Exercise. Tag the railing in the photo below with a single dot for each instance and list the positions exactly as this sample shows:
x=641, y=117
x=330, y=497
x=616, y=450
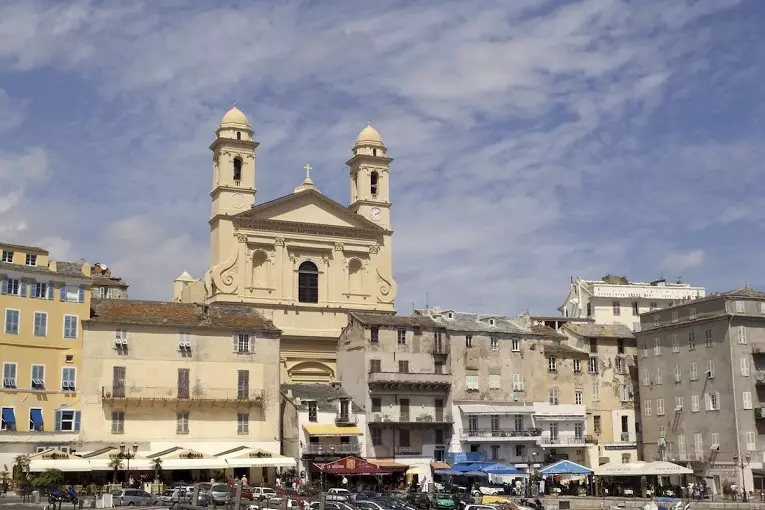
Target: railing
x=410, y=418
x=346, y=419
x=140, y=393
x=759, y=376
x=332, y=449
x=591, y=439
x=444, y=379
x=759, y=412
x=408, y=450
x=497, y=433
x=561, y=441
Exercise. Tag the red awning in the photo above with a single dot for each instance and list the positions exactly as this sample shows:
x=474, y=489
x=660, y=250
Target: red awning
x=351, y=466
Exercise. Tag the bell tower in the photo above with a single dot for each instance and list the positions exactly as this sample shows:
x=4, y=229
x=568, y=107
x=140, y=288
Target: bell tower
x=233, y=189
x=370, y=185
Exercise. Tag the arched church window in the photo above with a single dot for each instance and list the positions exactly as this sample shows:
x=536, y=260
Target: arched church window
x=308, y=283
x=354, y=276
x=260, y=269
x=237, y=169
x=373, y=178
x=374, y=152
x=238, y=135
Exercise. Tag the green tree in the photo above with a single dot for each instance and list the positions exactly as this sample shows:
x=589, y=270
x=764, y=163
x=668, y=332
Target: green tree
x=116, y=465
x=20, y=468
x=49, y=477
x=157, y=463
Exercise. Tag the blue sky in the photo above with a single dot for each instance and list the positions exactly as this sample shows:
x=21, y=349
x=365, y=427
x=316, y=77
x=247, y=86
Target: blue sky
x=533, y=140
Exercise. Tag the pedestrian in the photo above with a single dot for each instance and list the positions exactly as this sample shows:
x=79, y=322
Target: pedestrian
x=345, y=482
x=244, y=480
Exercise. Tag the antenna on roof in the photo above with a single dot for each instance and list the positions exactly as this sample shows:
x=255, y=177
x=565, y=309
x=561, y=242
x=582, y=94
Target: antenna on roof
x=426, y=300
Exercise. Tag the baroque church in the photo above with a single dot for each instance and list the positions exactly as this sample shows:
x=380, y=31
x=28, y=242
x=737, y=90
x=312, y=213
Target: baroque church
x=303, y=259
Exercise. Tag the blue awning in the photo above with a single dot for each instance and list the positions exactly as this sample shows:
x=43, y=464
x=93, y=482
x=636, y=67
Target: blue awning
x=37, y=421
x=565, y=467
x=8, y=416
x=501, y=469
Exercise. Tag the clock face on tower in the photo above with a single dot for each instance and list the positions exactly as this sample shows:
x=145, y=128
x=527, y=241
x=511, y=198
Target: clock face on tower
x=375, y=213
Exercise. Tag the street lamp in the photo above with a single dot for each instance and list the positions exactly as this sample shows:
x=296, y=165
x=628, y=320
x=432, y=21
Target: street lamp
x=531, y=460
x=126, y=454
x=740, y=464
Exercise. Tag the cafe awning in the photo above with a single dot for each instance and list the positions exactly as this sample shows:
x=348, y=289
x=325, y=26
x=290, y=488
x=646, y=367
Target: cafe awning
x=183, y=458
x=330, y=430
x=254, y=457
x=54, y=459
x=351, y=466
x=389, y=464
x=101, y=460
x=657, y=468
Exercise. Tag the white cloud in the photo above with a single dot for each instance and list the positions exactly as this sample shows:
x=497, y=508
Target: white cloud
x=684, y=261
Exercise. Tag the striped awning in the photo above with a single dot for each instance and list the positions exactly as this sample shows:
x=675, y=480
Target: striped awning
x=330, y=430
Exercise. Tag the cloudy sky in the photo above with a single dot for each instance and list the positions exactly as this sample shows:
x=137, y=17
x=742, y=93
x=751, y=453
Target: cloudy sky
x=533, y=140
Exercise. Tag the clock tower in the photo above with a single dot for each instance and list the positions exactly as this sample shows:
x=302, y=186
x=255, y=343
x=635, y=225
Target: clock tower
x=370, y=185
x=233, y=188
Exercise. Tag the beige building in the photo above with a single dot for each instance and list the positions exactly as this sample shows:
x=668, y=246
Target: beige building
x=397, y=369
x=701, y=370
x=320, y=423
x=180, y=377
x=303, y=259
x=616, y=300
x=43, y=303
x=106, y=286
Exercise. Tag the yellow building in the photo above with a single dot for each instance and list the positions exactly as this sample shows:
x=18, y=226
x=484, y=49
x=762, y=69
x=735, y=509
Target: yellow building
x=303, y=259
x=173, y=377
x=43, y=303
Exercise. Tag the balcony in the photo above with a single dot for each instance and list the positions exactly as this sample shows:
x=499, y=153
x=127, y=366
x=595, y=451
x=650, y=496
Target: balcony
x=561, y=441
x=501, y=435
x=410, y=419
x=759, y=412
x=408, y=450
x=759, y=376
x=410, y=380
x=334, y=449
x=346, y=419
x=179, y=396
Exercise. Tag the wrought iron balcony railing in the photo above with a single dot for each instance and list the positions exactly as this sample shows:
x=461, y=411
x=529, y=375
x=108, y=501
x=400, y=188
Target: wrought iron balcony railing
x=156, y=393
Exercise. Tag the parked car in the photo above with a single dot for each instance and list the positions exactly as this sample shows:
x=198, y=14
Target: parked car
x=371, y=505
x=463, y=499
x=444, y=501
x=371, y=495
x=260, y=493
x=330, y=505
x=132, y=497
x=418, y=500
x=172, y=496
x=479, y=507
x=335, y=491
x=220, y=494
x=395, y=504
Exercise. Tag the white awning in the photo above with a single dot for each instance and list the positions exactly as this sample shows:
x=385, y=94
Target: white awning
x=657, y=468
x=262, y=462
x=38, y=466
x=135, y=464
x=170, y=464
x=495, y=409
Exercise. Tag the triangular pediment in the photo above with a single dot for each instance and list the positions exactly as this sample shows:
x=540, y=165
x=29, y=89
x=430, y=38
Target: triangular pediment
x=308, y=207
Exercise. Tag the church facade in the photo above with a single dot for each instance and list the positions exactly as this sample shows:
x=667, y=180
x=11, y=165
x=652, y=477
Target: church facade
x=304, y=260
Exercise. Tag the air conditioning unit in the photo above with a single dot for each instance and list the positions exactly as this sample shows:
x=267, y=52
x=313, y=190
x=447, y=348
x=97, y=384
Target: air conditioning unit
x=124, y=342
x=187, y=345
x=715, y=448
x=9, y=382
x=678, y=409
x=516, y=396
x=65, y=385
x=118, y=342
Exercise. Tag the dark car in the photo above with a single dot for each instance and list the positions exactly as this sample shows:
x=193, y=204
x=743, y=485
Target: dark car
x=367, y=495
x=463, y=499
x=418, y=500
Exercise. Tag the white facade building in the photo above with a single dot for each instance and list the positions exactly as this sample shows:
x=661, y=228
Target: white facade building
x=616, y=300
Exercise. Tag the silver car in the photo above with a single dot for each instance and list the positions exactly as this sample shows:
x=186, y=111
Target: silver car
x=132, y=497
x=220, y=494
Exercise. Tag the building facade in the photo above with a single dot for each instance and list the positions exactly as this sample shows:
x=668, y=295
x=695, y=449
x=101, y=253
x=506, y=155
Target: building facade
x=303, y=259
x=106, y=286
x=616, y=300
x=611, y=369
x=320, y=423
x=702, y=398
x=397, y=369
x=43, y=303
x=170, y=376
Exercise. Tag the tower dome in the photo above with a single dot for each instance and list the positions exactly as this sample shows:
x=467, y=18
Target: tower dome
x=234, y=118
x=369, y=136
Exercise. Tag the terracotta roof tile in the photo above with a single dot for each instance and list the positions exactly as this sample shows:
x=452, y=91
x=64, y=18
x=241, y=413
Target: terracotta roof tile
x=380, y=319
x=172, y=313
x=600, y=330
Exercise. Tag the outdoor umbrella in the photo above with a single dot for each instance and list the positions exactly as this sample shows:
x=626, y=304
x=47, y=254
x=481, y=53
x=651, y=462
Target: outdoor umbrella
x=476, y=473
x=501, y=469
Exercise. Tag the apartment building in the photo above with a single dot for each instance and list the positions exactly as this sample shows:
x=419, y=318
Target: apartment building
x=397, y=369
x=508, y=404
x=175, y=377
x=106, y=286
x=43, y=302
x=616, y=300
x=320, y=423
x=701, y=385
x=610, y=364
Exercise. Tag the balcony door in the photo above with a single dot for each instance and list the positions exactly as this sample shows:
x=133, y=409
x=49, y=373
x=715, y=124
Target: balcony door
x=472, y=425
x=439, y=408
x=494, y=425
x=345, y=411
x=403, y=405
x=553, y=432
x=119, y=375
x=519, y=423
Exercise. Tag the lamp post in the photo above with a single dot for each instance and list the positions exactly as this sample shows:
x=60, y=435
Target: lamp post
x=531, y=460
x=127, y=454
x=740, y=463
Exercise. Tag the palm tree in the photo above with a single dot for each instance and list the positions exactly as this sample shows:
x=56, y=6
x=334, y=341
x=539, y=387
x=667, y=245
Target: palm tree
x=116, y=465
x=157, y=462
x=20, y=468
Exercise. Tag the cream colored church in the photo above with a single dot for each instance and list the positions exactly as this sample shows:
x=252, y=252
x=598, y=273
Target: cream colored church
x=303, y=259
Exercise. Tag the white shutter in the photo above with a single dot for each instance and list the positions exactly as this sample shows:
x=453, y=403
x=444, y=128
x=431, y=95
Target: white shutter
x=747, y=400
x=236, y=342
x=742, y=334
x=252, y=343
x=707, y=402
x=745, y=367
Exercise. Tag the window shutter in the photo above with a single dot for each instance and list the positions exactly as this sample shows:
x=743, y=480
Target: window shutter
x=62, y=292
x=50, y=290
x=236, y=342
x=23, y=289
x=77, y=421
x=5, y=285
x=33, y=289
x=81, y=294
x=252, y=343
x=58, y=421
